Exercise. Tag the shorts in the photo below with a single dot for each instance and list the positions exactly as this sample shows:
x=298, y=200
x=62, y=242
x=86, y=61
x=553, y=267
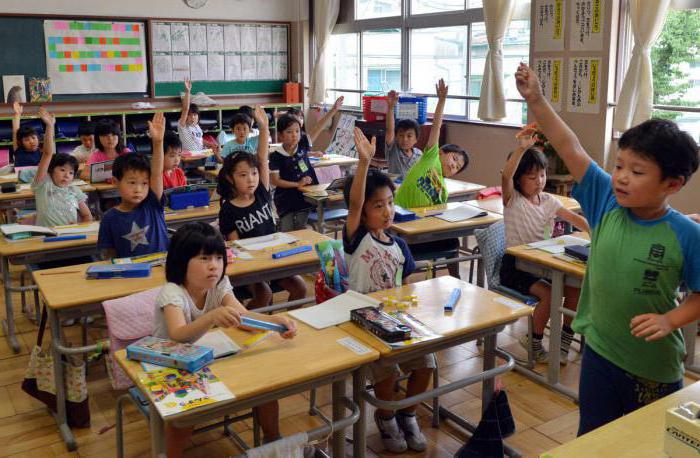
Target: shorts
x=379, y=371
x=428, y=250
x=514, y=278
x=294, y=221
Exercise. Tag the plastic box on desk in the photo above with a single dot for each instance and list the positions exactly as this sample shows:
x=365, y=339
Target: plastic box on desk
x=416, y=106
x=164, y=352
x=682, y=431
x=183, y=200
x=381, y=324
x=402, y=215
x=374, y=107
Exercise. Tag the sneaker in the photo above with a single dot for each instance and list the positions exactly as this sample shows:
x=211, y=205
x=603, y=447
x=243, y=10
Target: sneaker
x=539, y=354
x=411, y=431
x=392, y=438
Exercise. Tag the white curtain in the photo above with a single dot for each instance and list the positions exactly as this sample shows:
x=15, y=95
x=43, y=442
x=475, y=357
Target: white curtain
x=325, y=16
x=497, y=16
x=635, y=102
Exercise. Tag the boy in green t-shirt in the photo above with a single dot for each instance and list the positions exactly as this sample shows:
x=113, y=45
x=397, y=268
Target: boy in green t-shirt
x=642, y=250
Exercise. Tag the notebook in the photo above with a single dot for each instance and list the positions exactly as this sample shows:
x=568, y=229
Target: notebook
x=219, y=342
x=461, y=213
x=334, y=311
x=558, y=244
x=101, y=171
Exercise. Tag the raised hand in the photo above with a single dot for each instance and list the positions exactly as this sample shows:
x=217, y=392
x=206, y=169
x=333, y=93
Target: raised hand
x=365, y=148
x=441, y=89
x=261, y=117
x=392, y=97
x=17, y=109
x=188, y=85
x=47, y=117
x=338, y=103
x=156, y=127
x=527, y=83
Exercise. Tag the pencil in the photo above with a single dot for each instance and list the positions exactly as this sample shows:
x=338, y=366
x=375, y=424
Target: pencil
x=62, y=272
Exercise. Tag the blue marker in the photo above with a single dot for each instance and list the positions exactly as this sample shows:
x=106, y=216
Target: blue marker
x=291, y=251
x=452, y=301
x=64, y=238
x=264, y=325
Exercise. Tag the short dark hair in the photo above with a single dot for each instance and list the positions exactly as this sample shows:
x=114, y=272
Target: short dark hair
x=660, y=140
x=285, y=121
x=171, y=140
x=224, y=186
x=26, y=131
x=241, y=118
x=407, y=124
x=193, y=109
x=189, y=241
x=86, y=128
x=132, y=161
x=246, y=110
x=533, y=159
x=452, y=148
x=376, y=179
x=61, y=159
x=108, y=127
x=295, y=112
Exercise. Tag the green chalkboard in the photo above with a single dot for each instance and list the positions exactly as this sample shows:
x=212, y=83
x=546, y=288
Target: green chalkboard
x=222, y=87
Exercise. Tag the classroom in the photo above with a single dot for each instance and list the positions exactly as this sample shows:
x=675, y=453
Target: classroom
x=367, y=228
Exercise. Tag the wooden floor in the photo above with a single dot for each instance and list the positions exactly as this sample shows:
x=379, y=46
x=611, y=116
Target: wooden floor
x=543, y=419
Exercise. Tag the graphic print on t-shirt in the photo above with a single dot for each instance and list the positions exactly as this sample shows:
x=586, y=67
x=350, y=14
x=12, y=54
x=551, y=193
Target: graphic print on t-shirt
x=247, y=223
x=384, y=269
x=137, y=236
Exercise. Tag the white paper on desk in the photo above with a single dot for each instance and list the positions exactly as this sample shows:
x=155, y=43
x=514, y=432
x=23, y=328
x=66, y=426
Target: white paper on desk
x=220, y=343
x=9, y=176
x=79, y=182
x=334, y=311
x=557, y=245
x=461, y=213
x=265, y=241
x=91, y=228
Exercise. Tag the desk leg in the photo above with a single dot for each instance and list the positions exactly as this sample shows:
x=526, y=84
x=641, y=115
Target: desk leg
x=555, y=318
x=157, y=427
x=359, y=429
x=320, y=208
x=338, y=410
x=61, y=417
x=487, y=386
x=9, y=323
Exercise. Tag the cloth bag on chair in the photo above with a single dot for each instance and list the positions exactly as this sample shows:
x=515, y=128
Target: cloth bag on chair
x=496, y=424
x=39, y=381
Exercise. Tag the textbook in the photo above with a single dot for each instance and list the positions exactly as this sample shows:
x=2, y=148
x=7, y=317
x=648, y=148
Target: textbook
x=105, y=271
x=168, y=353
x=24, y=231
x=219, y=342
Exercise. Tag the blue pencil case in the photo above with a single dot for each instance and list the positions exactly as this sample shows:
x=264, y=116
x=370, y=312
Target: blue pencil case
x=105, y=271
x=183, y=200
x=168, y=353
x=402, y=215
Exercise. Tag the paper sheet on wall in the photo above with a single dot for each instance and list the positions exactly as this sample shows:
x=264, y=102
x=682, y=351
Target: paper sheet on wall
x=161, y=37
x=162, y=68
x=232, y=67
x=264, y=67
x=198, y=67
x=215, y=66
x=180, y=37
x=215, y=38
x=343, y=141
x=583, y=92
x=279, y=66
x=550, y=74
x=279, y=39
x=92, y=57
x=198, y=37
x=232, y=38
x=181, y=66
x=586, y=25
x=249, y=69
x=249, y=38
x=549, y=25
x=264, y=39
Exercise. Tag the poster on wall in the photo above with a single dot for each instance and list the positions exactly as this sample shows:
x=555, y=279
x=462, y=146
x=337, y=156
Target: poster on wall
x=549, y=25
x=92, y=57
x=550, y=72
x=583, y=94
x=586, y=25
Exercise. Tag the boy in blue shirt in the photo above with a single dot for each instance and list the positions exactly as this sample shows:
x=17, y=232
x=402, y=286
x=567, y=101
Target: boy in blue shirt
x=642, y=250
x=25, y=141
x=137, y=225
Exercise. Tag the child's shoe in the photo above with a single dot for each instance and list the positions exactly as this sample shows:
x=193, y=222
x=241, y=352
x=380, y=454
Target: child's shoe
x=566, y=338
x=539, y=354
x=392, y=437
x=411, y=431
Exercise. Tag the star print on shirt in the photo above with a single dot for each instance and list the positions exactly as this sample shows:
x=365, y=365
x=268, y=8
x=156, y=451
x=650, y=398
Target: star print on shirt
x=137, y=236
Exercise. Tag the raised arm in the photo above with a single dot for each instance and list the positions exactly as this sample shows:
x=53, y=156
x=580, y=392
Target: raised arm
x=156, y=129
x=557, y=132
x=49, y=144
x=441, y=90
x=365, y=152
x=185, y=103
x=392, y=100
x=574, y=219
x=16, y=118
x=263, y=146
x=525, y=140
x=314, y=132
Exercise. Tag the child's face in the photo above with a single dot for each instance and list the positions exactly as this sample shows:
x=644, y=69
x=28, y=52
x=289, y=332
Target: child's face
x=30, y=143
x=406, y=139
x=378, y=210
x=245, y=178
x=172, y=158
x=451, y=163
x=62, y=175
x=290, y=135
x=532, y=182
x=637, y=181
x=241, y=131
x=109, y=141
x=204, y=271
x=88, y=142
x=134, y=186
x=192, y=118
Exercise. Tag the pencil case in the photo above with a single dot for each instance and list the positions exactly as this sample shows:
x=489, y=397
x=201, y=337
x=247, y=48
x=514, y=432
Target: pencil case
x=381, y=324
x=104, y=271
x=168, y=353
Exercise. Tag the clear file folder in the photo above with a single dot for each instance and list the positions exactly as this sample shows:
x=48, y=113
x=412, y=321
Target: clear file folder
x=334, y=311
x=460, y=213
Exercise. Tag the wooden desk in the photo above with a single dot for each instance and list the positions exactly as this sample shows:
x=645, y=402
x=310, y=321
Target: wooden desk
x=328, y=160
x=639, y=434
x=312, y=359
x=178, y=218
x=478, y=314
x=495, y=204
x=24, y=197
x=459, y=191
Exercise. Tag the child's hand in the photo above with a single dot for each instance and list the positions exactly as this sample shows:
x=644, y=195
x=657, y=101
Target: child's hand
x=304, y=181
x=365, y=149
x=652, y=326
x=47, y=117
x=225, y=317
x=316, y=154
x=526, y=138
x=261, y=117
x=392, y=97
x=695, y=217
x=338, y=103
x=527, y=83
x=156, y=127
x=287, y=323
x=188, y=85
x=17, y=109
x=441, y=89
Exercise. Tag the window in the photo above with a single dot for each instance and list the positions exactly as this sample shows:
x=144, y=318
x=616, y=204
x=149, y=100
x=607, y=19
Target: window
x=407, y=45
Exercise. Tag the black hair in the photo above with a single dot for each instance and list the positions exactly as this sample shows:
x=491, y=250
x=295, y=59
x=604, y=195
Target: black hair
x=194, y=109
x=61, y=159
x=295, y=112
x=452, y=148
x=132, y=161
x=533, y=159
x=285, y=121
x=407, y=124
x=26, y=131
x=107, y=127
x=241, y=118
x=246, y=110
x=86, y=128
x=376, y=179
x=171, y=140
x=189, y=241
x=660, y=140
x=224, y=182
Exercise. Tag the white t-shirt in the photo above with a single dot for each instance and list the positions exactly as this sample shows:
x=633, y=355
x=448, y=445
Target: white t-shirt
x=527, y=222
x=191, y=137
x=81, y=153
x=174, y=294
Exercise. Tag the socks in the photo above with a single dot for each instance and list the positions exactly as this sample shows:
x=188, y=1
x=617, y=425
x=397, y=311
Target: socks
x=567, y=335
x=537, y=342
